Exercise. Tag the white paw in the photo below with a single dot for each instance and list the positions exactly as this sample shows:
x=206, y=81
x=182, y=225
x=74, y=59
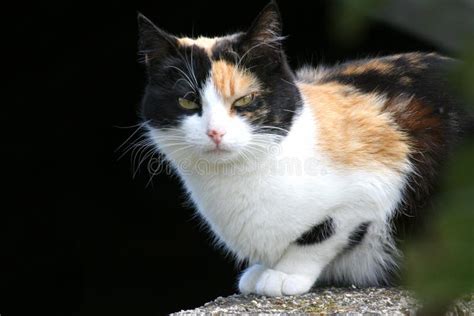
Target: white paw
x=248, y=280
x=276, y=283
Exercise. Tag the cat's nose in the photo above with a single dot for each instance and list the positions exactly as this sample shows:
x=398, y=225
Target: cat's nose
x=215, y=135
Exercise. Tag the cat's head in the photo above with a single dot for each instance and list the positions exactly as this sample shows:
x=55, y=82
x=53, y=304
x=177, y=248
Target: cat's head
x=221, y=99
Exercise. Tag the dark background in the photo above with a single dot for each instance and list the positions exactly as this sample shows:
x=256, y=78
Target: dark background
x=79, y=234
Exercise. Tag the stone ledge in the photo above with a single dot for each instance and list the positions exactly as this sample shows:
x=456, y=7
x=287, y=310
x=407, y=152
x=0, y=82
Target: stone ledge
x=326, y=301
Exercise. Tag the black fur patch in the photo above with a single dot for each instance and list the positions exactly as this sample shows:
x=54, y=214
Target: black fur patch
x=356, y=237
x=174, y=72
x=414, y=74
x=318, y=233
x=170, y=80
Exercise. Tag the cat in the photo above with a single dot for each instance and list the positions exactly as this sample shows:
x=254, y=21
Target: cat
x=301, y=173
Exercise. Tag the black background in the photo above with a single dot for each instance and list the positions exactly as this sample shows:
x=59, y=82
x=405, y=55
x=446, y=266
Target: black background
x=79, y=234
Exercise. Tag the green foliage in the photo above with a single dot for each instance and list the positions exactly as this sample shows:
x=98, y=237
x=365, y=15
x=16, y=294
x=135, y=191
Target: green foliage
x=463, y=75
x=439, y=266
x=349, y=20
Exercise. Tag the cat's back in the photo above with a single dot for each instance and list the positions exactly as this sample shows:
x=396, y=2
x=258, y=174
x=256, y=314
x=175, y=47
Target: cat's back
x=422, y=77
x=398, y=112
x=406, y=97
x=409, y=73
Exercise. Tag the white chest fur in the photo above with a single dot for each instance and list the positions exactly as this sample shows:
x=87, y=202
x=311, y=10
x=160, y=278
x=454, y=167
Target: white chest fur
x=258, y=213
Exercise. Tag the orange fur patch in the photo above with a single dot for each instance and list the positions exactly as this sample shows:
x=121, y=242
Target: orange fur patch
x=377, y=65
x=205, y=43
x=415, y=116
x=353, y=129
x=231, y=82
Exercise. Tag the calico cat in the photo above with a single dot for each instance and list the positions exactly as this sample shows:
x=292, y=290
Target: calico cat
x=300, y=174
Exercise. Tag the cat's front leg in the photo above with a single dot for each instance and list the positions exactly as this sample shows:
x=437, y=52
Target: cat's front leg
x=249, y=278
x=271, y=282
x=304, y=260
x=294, y=274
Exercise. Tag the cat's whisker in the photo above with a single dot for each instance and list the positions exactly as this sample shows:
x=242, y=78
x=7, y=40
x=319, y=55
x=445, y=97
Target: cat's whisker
x=151, y=151
x=267, y=136
x=171, y=139
x=186, y=77
x=291, y=111
x=138, y=128
x=268, y=42
x=165, y=145
x=143, y=143
x=273, y=127
x=165, y=136
x=186, y=81
x=255, y=147
x=132, y=126
x=138, y=153
x=190, y=70
x=142, y=138
x=174, y=130
x=133, y=146
x=288, y=82
x=192, y=67
x=167, y=133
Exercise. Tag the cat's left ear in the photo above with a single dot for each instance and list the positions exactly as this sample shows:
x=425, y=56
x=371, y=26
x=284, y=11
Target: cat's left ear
x=265, y=32
x=154, y=43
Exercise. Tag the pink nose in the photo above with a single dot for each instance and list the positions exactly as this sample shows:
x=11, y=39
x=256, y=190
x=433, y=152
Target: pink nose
x=215, y=135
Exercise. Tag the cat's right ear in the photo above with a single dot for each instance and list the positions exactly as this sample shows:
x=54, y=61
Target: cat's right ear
x=153, y=43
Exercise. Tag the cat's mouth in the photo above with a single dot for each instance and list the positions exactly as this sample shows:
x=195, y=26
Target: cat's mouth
x=219, y=154
x=217, y=151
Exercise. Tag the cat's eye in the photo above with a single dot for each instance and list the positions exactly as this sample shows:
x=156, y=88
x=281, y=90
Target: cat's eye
x=187, y=104
x=244, y=101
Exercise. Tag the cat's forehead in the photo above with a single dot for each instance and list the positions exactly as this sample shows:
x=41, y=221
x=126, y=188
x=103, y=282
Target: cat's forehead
x=205, y=43
x=210, y=45
x=230, y=80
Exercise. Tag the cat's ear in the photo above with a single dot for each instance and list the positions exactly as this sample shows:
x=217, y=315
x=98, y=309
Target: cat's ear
x=265, y=32
x=153, y=43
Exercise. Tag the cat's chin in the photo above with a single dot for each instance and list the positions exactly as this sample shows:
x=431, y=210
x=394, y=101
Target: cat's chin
x=220, y=155
x=218, y=151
